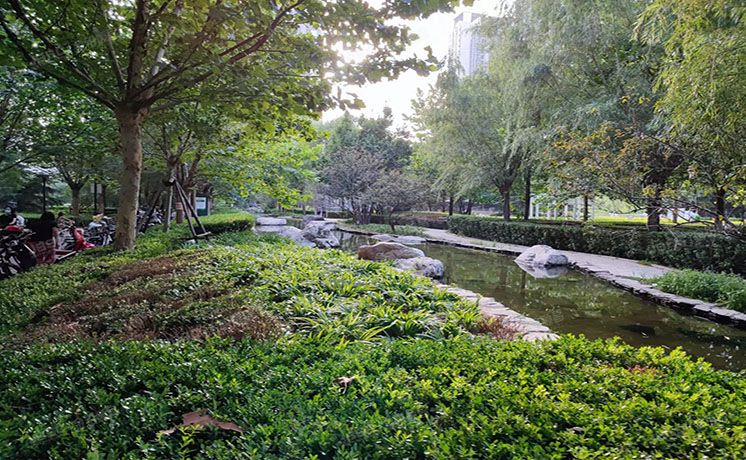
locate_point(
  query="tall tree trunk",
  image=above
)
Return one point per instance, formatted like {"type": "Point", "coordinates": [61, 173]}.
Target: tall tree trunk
{"type": "Point", "coordinates": [450, 205]}
{"type": "Point", "coordinates": [654, 211]}
{"type": "Point", "coordinates": [75, 203]}
{"type": "Point", "coordinates": [720, 207]}
{"type": "Point", "coordinates": [527, 195]}
{"type": "Point", "coordinates": [130, 145]}
{"type": "Point", "coordinates": [101, 204]}
{"type": "Point", "coordinates": [586, 213]}
{"type": "Point", "coordinates": [94, 205]}
{"type": "Point", "coordinates": [506, 203]}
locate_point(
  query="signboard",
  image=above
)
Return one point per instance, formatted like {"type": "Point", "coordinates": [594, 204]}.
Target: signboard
{"type": "Point", "coordinates": [201, 203]}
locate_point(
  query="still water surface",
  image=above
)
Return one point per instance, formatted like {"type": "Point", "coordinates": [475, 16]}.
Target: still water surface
{"type": "Point", "coordinates": [580, 304]}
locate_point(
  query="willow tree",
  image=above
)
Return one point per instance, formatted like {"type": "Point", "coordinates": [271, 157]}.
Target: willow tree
{"type": "Point", "coordinates": [702, 82]}
{"type": "Point", "coordinates": [468, 119]}
{"type": "Point", "coordinates": [142, 56]}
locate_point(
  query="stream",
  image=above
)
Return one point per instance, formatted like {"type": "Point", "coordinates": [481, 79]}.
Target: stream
{"type": "Point", "coordinates": [581, 304]}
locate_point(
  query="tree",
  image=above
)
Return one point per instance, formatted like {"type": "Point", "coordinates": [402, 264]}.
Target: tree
{"type": "Point", "coordinates": [702, 82]}
{"type": "Point", "coordinates": [147, 56]}
{"type": "Point", "coordinates": [395, 192]}
{"type": "Point", "coordinates": [469, 118]}
{"type": "Point", "coordinates": [359, 153]}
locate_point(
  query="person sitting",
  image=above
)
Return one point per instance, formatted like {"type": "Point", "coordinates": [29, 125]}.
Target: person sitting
{"type": "Point", "coordinates": [44, 240]}
{"type": "Point", "coordinates": [16, 219]}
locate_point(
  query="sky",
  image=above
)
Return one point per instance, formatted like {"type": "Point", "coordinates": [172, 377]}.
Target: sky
{"type": "Point", "coordinates": [434, 31]}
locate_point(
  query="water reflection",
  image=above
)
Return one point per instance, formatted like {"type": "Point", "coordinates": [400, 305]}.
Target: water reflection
{"type": "Point", "coordinates": [580, 304]}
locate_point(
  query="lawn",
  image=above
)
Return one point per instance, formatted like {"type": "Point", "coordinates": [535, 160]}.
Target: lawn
{"type": "Point", "coordinates": [290, 352]}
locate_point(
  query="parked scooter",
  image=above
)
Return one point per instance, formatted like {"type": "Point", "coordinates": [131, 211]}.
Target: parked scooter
{"type": "Point", "coordinates": [100, 231]}
{"type": "Point", "coordinates": [15, 255]}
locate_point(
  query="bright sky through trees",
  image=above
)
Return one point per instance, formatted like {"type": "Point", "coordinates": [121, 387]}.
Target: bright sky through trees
{"type": "Point", "coordinates": [433, 31]}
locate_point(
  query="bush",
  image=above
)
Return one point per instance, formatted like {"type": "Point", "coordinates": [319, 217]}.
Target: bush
{"type": "Point", "coordinates": [405, 230]}
{"type": "Point", "coordinates": [228, 222]}
{"type": "Point", "coordinates": [460, 398]}
{"type": "Point", "coordinates": [728, 290]}
{"type": "Point", "coordinates": [416, 219]}
{"type": "Point", "coordinates": [688, 249]}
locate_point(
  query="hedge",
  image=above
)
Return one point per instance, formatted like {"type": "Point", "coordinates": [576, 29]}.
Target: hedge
{"type": "Point", "coordinates": [229, 222]}
{"type": "Point", "coordinates": [416, 220]}
{"type": "Point", "coordinates": [697, 250]}
{"type": "Point", "coordinates": [416, 398]}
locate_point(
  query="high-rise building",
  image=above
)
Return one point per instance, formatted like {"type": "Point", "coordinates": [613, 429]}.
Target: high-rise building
{"type": "Point", "coordinates": [467, 46]}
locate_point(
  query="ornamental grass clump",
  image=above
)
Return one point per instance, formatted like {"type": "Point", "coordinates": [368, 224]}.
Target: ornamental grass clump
{"type": "Point", "coordinates": [725, 289]}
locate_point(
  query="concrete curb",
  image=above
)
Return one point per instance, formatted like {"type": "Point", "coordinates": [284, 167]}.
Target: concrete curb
{"type": "Point", "coordinates": [527, 328]}
{"type": "Point", "coordinates": [696, 307]}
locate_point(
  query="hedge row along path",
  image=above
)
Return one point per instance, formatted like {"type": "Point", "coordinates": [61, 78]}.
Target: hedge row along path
{"type": "Point", "coordinates": [627, 274]}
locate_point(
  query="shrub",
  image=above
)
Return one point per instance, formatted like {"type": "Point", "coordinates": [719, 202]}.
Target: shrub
{"type": "Point", "coordinates": [416, 219]}
{"type": "Point", "coordinates": [228, 222]}
{"type": "Point", "coordinates": [728, 290]}
{"type": "Point", "coordinates": [384, 228]}
{"type": "Point", "coordinates": [688, 249]}
{"type": "Point", "coordinates": [459, 398]}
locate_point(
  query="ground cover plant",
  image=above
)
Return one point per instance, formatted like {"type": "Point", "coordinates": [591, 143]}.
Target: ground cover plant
{"type": "Point", "coordinates": [406, 398]}
{"type": "Point", "coordinates": [727, 290]}
{"type": "Point", "coordinates": [685, 249]}
{"type": "Point", "coordinates": [290, 352]}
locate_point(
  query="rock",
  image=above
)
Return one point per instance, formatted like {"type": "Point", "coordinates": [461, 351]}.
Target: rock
{"type": "Point", "coordinates": [384, 237]}
{"type": "Point", "coordinates": [542, 256]}
{"type": "Point", "coordinates": [320, 233]}
{"type": "Point", "coordinates": [424, 266]}
{"type": "Point", "coordinates": [410, 240]}
{"type": "Point", "coordinates": [293, 233]}
{"type": "Point", "coordinates": [275, 221]}
{"type": "Point", "coordinates": [539, 272]}
{"type": "Point", "coordinates": [388, 251]}
{"type": "Point", "coordinates": [311, 218]}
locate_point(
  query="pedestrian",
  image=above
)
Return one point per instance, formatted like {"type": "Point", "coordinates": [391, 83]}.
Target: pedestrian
{"type": "Point", "coordinates": [44, 240]}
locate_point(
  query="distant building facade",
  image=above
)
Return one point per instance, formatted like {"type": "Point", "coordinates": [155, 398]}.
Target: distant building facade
{"type": "Point", "coordinates": [467, 46]}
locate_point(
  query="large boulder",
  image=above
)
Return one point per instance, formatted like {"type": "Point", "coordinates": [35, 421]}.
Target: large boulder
{"type": "Point", "coordinates": [293, 233]}
{"type": "Point", "coordinates": [539, 272]}
{"type": "Point", "coordinates": [424, 266]}
{"type": "Point", "coordinates": [270, 221]}
{"type": "Point", "coordinates": [388, 251]}
{"type": "Point", "coordinates": [320, 233]}
{"type": "Point", "coordinates": [542, 256]}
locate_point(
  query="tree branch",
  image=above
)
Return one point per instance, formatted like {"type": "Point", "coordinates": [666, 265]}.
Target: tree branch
{"type": "Point", "coordinates": [78, 71]}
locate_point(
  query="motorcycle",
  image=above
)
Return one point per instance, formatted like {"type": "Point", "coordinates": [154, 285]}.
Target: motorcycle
{"type": "Point", "coordinates": [15, 255]}
{"type": "Point", "coordinates": [156, 218]}
{"type": "Point", "coordinates": [100, 231]}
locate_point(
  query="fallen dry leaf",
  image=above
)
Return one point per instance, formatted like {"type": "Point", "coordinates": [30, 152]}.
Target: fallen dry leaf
{"type": "Point", "coordinates": [201, 419]}
{"type": "Point", "coordinates": [344, 382]}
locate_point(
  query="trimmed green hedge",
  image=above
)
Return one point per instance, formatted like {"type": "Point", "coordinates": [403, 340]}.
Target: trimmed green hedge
{"type": "Point", "coordinates": [228, 222]}
{"type": "Point", "coordinates": [462, 398]}
{"type": "Point", "coordinates": [697, 250]}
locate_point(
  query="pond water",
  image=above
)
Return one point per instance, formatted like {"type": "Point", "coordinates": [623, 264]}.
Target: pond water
{"type": "Point", "coordinates": [581, 304]}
